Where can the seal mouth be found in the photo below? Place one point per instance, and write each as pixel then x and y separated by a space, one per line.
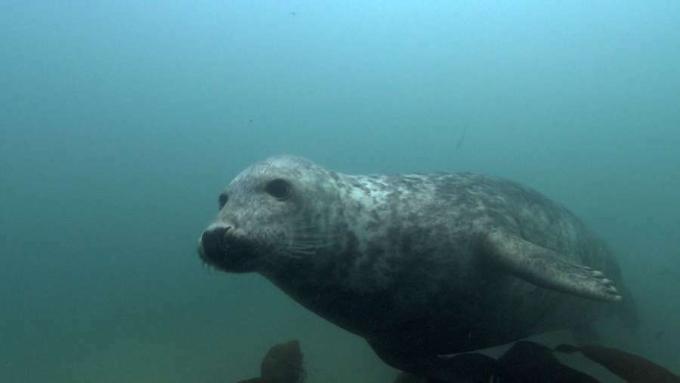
pixel 225 250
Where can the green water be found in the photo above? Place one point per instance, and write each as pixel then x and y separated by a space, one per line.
pixel 120 122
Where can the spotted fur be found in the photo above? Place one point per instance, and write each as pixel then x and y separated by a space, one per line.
pixel 397 259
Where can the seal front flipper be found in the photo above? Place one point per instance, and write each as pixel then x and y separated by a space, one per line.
pixel 544 267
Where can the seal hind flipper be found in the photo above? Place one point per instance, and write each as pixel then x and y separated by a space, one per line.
pixel 544 267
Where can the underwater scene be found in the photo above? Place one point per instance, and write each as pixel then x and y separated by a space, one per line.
pixel 357 191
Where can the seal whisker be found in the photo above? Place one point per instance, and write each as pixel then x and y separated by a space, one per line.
pixel 290 254
pixel 302 245
pixel 308 246
pixel 302 248
pixel 299 253
pixel 306 241
pixel 312 236
pixel 315 239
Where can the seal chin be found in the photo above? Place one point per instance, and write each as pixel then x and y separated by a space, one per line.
pixel 222 249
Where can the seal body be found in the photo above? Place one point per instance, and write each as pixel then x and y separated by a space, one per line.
pixel 419 265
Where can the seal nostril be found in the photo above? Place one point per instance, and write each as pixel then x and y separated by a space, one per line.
pixel 213 240
pixel 207 242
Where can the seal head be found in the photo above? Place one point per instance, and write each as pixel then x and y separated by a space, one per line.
pixel 263 223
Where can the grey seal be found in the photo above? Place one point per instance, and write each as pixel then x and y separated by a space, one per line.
pixel 420 265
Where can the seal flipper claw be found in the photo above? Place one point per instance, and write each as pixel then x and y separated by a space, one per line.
pixel 544 267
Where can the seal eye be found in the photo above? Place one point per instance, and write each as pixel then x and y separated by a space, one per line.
pixel 278 188
pixel 222 200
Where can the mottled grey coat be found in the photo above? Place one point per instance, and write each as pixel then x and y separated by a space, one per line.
pixel 418 265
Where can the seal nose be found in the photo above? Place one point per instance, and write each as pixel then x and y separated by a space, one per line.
pixel 213 240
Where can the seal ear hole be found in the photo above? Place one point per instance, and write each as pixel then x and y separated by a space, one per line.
pixel 278 188
pixel 222 200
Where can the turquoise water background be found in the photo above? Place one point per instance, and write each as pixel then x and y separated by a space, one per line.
pixel 120 122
